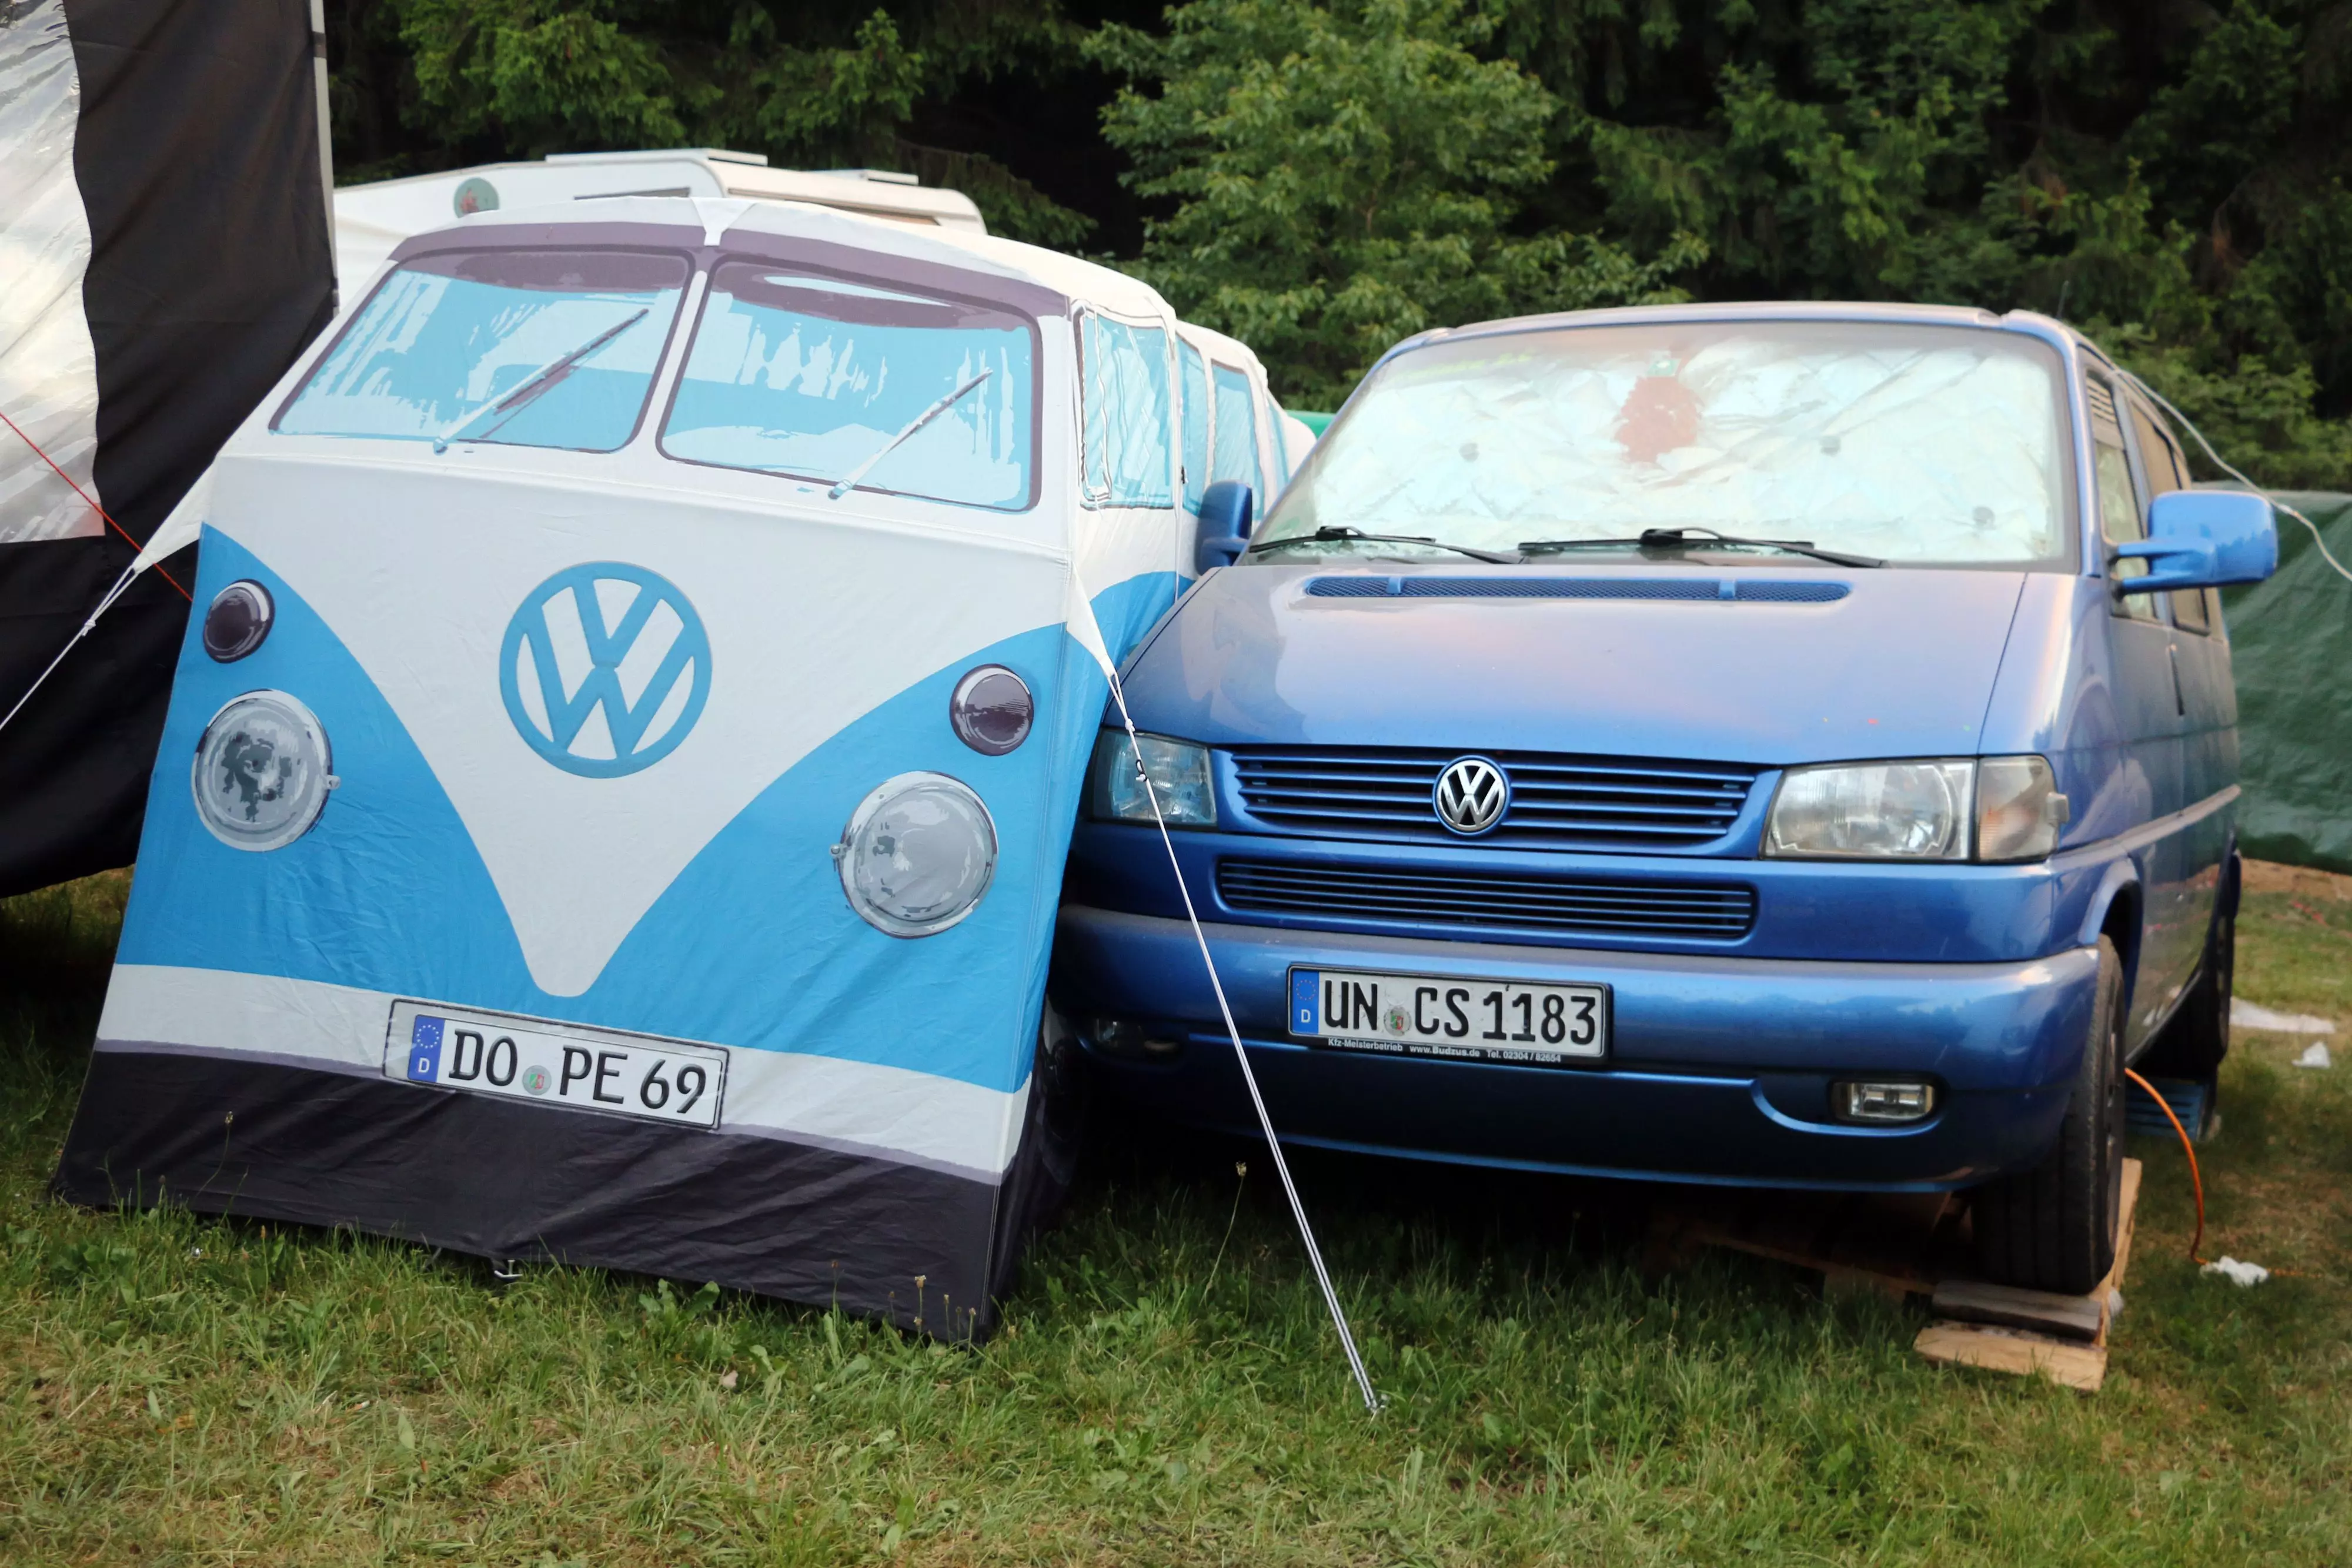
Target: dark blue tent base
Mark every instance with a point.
(506, 1180)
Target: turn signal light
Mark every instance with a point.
(1883, 1103)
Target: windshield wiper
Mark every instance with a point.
(848, 481)
(1357, 536)
(1698, 539)
(543, 380)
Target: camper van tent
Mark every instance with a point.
(163, 257)
(613, 803)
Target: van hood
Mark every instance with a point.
(1771, 666)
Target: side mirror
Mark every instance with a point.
(1225, 509)
(2204, 539)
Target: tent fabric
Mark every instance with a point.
(891, 1111)
(2290, 646)
(177, 227)
(49, 369)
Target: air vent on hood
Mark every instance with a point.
(1691, 588)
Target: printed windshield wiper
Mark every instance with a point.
(848, 482)
(545, 379)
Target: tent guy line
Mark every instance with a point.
(2224, 465)
(121, 585)
(1095, 646)
(94, 506)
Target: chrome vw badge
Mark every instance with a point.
(1472, 795)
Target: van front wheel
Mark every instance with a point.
(2053, 1228)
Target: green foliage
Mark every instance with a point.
(810, 86)
(1321, 177)
(1343, 176)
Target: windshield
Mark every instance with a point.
(446, 335)
(814, 378)
(1921, 445)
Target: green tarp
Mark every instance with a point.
(2291, 642)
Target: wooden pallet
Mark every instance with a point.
(1903, 1246)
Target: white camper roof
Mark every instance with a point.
(372, 219)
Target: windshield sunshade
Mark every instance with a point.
(1915, 444)
(522, 348)
(815, 378)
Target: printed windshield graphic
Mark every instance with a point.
(604, 669)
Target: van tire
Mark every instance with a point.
(2194, 1044)
(2052, 1228)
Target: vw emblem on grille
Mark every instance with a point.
(1472, 795)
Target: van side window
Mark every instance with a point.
(1196, 426)
(2123, 514)
(1125, 407)
(1234, 456)
(2160, 455)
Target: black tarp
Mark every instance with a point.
(197, 154)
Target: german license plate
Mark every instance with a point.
(561, 1064)
(1444, 1015)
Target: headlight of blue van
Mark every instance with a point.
(1938, 808)
(1180, 774)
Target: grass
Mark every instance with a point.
(187, 1391)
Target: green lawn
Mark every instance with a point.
(178, 1390)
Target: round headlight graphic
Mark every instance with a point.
(263, 771)
(237, 621)
(917, 855)
(991, 710)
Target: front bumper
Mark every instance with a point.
(1719, 1069)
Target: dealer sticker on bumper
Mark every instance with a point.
(562, 1065)
(1446, 1015)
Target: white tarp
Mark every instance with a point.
(48, 370)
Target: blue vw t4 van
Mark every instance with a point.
(1788, 745)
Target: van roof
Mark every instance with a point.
(1066, 277)
(2026, 322)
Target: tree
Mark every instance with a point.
(1343, 174)
(809, 85)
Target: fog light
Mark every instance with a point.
(1116, 1036)
(237, 621)
(1864, 1100)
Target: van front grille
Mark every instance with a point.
(1720, 912)
(1556, 801)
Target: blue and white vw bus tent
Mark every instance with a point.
(614, 799)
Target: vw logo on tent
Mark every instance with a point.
(604, 669)
(1472, 794)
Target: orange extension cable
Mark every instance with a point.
(2188, 1148)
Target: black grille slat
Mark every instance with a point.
(1556, 800)
(1716, 911)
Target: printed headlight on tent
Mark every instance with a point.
(918, 854)
(263, 771)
